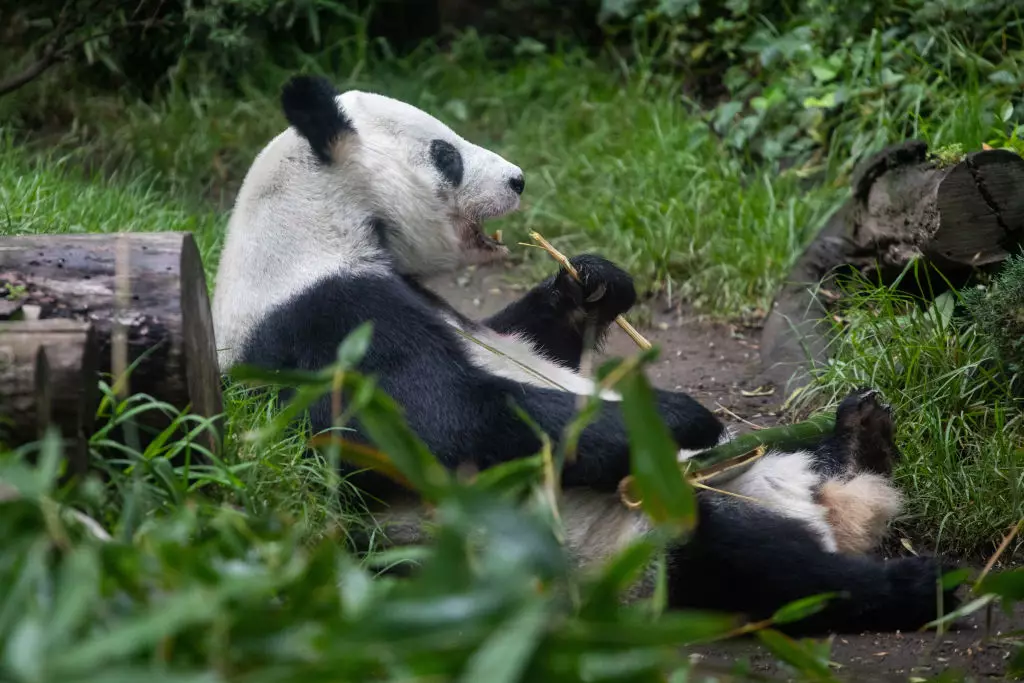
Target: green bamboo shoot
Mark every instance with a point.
(722, 463)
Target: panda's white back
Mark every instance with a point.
(282, 237)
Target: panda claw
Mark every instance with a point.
(597, 293)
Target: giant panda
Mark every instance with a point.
(340, 219)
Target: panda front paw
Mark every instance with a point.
(603, 291)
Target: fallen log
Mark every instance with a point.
(953, 218)
(147, 289)
(48, 377)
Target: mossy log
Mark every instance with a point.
(48, 377)
(954, 218)
(148, 289)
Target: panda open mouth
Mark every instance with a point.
(485, 245)
(477, 238)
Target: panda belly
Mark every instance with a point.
(598, 525)
(787, 484)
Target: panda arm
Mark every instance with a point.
(562, 317)
(462, 413)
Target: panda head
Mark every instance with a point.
(428, 190)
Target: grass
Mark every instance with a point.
(612, 164)
(49, 193)
(959, 422)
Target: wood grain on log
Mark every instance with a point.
(955, 219)
(48, 376)
(165, 311)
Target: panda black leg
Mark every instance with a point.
(563, 317)
(746, 559)
(864, 437)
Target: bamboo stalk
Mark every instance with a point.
(738, 454)
(560, 257)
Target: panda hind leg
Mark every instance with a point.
(749, 560)
(857, 462)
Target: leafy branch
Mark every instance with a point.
(62, 43)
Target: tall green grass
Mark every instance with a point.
(613, 163)
(960, 424)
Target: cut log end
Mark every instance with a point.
(145, 294)
(48, 379)
(981, 211)
(200, 351)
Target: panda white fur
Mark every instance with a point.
(343, 213)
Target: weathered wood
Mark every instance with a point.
(954, 219)
(48, 376)
(148, 287)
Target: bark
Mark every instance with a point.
(145, 289)
(954, 219)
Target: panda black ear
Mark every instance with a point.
(310, 104)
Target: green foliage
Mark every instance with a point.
(154, 42)
(203, 585)
(814, 76)
(998, 311)
(238, 570)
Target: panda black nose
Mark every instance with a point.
(517, 183)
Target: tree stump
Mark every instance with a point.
(48, 377)
(955, 219)
(147, 289)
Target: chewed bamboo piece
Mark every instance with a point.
(560, 257)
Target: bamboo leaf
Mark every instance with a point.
(601, 600)
(364, 456)
(354, 347)
(666, 496)
(797, 654)
(256, 376)
(387, 428)
(1008, 585)
(801, 609)
(504, 657)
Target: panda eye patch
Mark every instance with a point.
(447, 161)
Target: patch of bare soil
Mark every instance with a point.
(718, 364)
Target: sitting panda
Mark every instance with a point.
(343, 215)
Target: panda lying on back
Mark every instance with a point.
(343, 213)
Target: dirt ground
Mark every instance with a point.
(718, 364)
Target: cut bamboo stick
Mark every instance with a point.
(560, 257)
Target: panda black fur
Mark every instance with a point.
(342, 214)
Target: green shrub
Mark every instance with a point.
(802, 79)
(181, 574)
(998, 311)
(154, 44)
